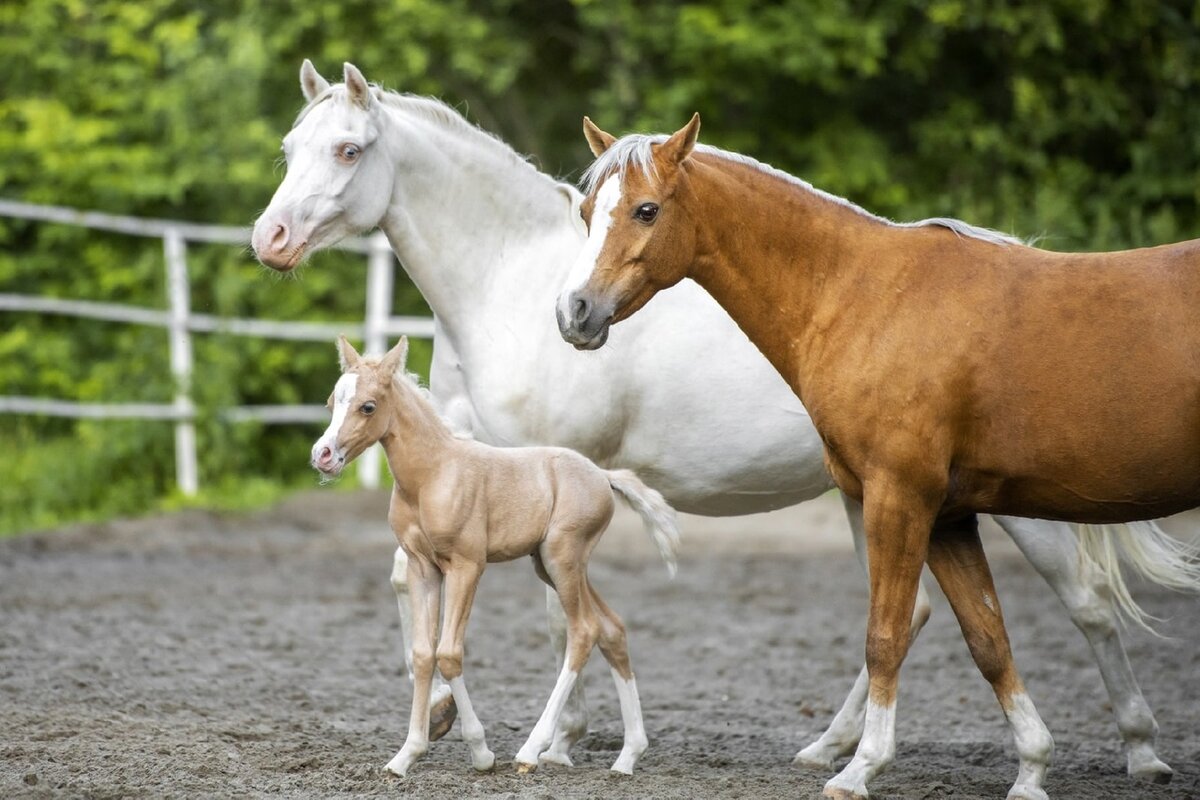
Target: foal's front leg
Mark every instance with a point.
(461, 581)
(573, 721)
(425, 584)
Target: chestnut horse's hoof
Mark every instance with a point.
(441, 717)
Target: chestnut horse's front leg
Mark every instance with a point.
(425, 587)
(899, 518)
(958, 562)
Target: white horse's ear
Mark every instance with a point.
(356, 84)
(396, 359)
(311, 82)
(680, 145)
(348, 357)
(597, 139)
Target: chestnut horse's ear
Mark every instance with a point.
(396, 359)
(311, 82)
(680, 145)
(348, 357)
(356, 84)
(597, 139)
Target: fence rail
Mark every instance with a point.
(180, 322)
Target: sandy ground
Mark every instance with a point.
(204, 655)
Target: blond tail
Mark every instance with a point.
(658, 517)
(1150, 551)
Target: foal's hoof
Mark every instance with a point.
(441, 717)
(525, 769)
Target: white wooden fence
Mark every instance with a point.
(375, 329)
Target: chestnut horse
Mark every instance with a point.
(949, 371)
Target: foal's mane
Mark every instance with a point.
(410, 383)
(636, 150)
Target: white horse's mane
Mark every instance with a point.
(438, 112)
(636, 150)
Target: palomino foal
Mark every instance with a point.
(458, 504)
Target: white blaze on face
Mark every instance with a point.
(343, 394)
(607, 199)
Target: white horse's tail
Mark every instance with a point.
(1150, 551)
(658, 517)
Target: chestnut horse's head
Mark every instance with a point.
(338, 181)
(640, 238)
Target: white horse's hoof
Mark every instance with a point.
(1150, 769)
(524, 767)
(485, 762)
(844, 789)
(553, 756)
(816, 757)
(1027, 792)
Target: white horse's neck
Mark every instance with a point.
(464, 209)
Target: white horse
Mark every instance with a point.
(488, 240)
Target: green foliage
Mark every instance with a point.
(1075, 120)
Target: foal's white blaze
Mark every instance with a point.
(343, 393)
(603, 212)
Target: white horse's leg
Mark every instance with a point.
(841, 737)
(573, 721)
(1053, 549)
(442, 710)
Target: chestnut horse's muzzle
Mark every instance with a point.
(582, 322)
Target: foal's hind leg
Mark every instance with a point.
(1053, 549)
(615, 647)
(441, 701)
(573, 722)
(958, 562)
(558, 554)
(842, 735)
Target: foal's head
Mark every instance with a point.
(362, 404)
(639, 239)
(338, 180)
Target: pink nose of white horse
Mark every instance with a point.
(273, 245)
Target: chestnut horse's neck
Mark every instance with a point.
(782, 259)
(417, 438)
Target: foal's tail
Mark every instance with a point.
(1150, 551)
(659, 518)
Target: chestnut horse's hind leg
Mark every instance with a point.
(842, 735)
(958, 562)
(898, 523)
(1053, 549)
(573, 721)
(441, 700)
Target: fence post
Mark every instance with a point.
(380, 277)
(175, 250)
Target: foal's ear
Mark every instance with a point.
(348, 357)
(597, 139)
(396, 358)
(680, 145)
(311, 82)
(356, 84)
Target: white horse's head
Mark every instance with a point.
(338, 182)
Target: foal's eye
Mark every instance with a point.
(349, 152)
(646, 213)
(368, 408)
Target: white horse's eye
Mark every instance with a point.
(349, 152)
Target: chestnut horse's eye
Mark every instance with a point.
(368, 408)
(645, 213)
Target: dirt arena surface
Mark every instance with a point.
(197, 655)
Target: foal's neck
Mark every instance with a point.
(781, 259)
(416, 441)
